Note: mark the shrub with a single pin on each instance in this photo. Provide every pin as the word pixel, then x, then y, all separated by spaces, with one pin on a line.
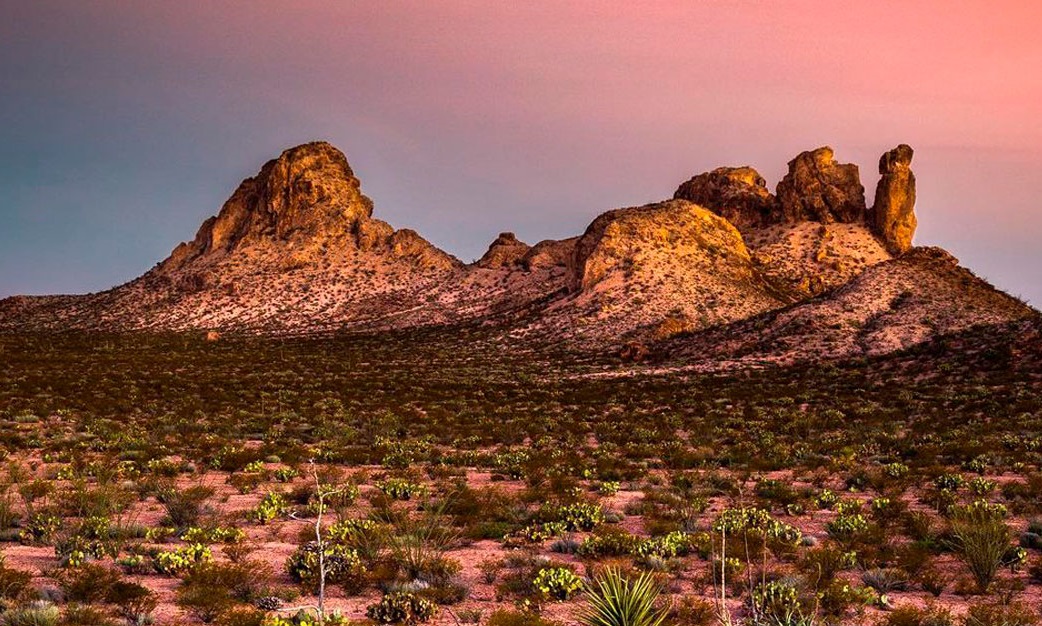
pixel 78 615
pixel 401 608
pixel 13 582
pixel 241 616
pixel 88 584
pixel 273 505
pixel 1000 614
pixel 39 613
pixel 909 615
pixel 204 600
pixel 885 579
pixel 185 507
pixel 507 617
pixel 182 560
pixel 981 539
pixel 559 583
pixel 614 600
pixel 401 489
pixel 778 603
pixel 342 565
pixel 821 565
pixel 608 542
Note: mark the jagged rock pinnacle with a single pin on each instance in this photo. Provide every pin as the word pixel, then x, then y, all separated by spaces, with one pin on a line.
pixel 893 214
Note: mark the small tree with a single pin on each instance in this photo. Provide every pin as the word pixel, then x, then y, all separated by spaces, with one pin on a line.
pixel 321 494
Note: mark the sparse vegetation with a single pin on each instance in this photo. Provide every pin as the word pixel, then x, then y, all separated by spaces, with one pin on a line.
pixel 464 482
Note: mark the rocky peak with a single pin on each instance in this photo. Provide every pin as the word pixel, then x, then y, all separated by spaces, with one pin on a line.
pixel 309 191
pixel 893 214
pixel 818 188
pixel 738 194
pixel 506 250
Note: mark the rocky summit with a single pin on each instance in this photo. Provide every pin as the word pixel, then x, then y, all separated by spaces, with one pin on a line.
pixel 724 274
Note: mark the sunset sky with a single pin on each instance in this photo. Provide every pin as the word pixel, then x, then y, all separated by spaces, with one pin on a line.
pixel 125 124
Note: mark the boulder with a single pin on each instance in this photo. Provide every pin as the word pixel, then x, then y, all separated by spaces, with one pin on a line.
pixel 738 194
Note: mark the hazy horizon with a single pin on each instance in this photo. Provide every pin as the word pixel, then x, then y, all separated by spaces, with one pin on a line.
pixel 129 123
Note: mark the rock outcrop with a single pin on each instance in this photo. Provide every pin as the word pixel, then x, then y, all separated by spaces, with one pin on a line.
pixel 819 189
pixel 725 273
pixel 307 198
pixel 550 253
pixel 639 270
pixel 891 306
pixel 505 251
pixel 307 191
pixel 893 214
pixel 738 194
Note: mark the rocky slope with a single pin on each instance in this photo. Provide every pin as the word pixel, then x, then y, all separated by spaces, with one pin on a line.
pixel 725 272
pixel 891 306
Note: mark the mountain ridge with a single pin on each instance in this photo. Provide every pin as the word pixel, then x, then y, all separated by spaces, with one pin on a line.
pixel 296 250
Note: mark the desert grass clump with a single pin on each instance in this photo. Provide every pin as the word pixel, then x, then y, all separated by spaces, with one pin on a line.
pixel 981 538
pixel 614 600
pixel 38 613
pixel 910 615
pixel 1000 614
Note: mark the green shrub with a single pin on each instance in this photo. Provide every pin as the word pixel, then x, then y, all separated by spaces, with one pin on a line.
pixel 217 534
pixel 271 506
pixel 401 608
pixel 778 603
pixel 981 538
pixel 182 560
pixel 401 489
pixel 847 527
pixel 342 565
pixel 580 515
pixel 559 583
pixel 826 499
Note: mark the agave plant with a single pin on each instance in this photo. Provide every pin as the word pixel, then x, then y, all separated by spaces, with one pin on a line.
pixel 614 600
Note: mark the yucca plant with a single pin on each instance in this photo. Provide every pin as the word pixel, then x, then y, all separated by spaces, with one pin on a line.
pixel 980 538
pixel 614 600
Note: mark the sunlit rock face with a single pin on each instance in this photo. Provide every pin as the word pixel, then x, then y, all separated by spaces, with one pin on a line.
pixel 893 214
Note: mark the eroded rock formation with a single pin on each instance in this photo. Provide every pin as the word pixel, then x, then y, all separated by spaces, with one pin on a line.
pixel 893 214
pixel 817 188
pixel 738 194
pixel 505 251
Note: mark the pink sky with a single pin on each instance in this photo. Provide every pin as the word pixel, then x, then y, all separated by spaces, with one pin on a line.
pixel 466 118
